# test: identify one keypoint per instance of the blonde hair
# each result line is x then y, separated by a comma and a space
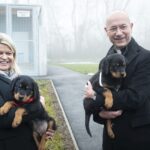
6, 40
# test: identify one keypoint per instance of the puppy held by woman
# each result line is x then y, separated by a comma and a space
21, 137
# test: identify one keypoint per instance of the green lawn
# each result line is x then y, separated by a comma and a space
82, 68
48, 93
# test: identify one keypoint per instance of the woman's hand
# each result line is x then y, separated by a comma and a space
89, 92
42, 100
49, 134
110, 114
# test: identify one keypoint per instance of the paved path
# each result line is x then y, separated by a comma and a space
70, 89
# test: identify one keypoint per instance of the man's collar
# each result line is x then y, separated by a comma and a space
130, 51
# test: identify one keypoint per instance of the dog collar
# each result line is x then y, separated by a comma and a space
22, 103
100, 79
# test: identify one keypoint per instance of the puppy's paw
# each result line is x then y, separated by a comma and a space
18, 117
3, 111
6, 107
17, 121
109, 129
110, 132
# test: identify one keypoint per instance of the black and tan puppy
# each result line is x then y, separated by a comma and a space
26, 96
89, 104
111, 72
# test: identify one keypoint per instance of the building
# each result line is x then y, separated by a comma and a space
22, 23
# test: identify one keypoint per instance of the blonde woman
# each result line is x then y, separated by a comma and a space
19, 138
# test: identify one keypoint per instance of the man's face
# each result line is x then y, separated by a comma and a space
119, 29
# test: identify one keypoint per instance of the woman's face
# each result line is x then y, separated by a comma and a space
6, 57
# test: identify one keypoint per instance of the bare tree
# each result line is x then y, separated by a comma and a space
79, 30
116, 5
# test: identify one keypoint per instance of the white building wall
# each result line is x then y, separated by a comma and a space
40, 48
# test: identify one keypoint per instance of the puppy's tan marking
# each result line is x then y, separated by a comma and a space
6, 107
109, 129
20, 112
108, 104
108, 98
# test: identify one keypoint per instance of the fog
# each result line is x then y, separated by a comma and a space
74, 29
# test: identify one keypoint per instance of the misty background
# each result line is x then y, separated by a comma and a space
73, 30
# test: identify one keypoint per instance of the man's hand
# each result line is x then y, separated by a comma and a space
110, 114
89, 92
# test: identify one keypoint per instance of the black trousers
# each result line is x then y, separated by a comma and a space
127, 137
18, 143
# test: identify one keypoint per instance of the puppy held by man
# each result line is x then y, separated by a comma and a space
110, 75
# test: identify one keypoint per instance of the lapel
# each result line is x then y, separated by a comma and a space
132, 51
4, 79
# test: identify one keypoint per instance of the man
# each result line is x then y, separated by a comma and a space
130, 113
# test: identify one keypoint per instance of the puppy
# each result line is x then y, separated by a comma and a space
111, 72
89, 104
26, 96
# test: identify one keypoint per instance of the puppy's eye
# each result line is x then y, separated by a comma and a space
117, 65
20, 85
28, 88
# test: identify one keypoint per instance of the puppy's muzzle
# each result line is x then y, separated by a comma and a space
123, 74
118, 74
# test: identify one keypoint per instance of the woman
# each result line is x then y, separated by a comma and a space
19, 138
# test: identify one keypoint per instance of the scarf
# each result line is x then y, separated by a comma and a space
9, 74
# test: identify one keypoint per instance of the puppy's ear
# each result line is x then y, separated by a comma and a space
13, 83
104, 65
36, 93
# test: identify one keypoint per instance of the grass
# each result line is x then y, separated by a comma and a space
82, 68
47, 92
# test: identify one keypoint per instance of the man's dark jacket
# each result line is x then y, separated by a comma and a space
133, 98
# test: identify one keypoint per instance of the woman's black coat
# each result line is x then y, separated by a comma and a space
19, 138
132, 128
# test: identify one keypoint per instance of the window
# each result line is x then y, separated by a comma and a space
22, 33
2, 19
